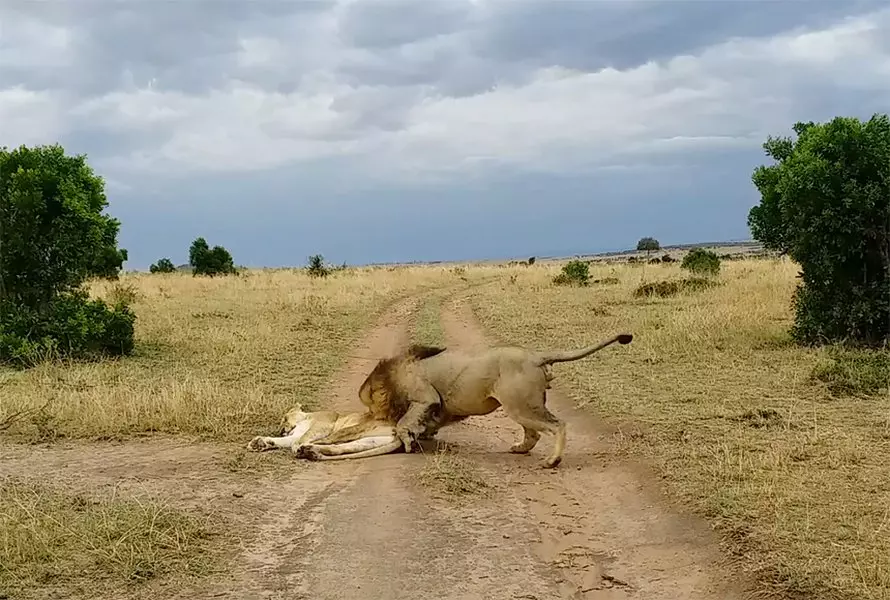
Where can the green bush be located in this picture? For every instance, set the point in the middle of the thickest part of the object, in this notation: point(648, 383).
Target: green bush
point(672, 287)
point(574, 272)
point(164, 265)
point(855, 371)
point(826, 203)
point(72, 325)
point(316, 267)
point(701, 262)
point(54, 236)
point(210, 261)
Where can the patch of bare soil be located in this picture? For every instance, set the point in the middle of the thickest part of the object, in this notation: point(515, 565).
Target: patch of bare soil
point(597, 521)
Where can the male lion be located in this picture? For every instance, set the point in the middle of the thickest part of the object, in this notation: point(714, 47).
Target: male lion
point(425, 388)
point(308, 435)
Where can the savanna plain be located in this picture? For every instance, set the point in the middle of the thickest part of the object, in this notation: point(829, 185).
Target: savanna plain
point(130, 478)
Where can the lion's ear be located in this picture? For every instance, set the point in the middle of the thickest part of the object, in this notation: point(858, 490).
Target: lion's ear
point(299, 406)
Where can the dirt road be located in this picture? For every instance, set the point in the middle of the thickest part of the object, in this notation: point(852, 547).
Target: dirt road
point(593, 529)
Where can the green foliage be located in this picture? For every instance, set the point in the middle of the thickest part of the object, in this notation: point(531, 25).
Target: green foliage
point(826, 203)
point(164, 265)
point(701, 262)
point(53, 236)
point(210, 261)
point(574, 272)
point(530, 261)
point(647, 245)
point(71, 325)
point(855, 371)
point(316, 267)
point(672, 287)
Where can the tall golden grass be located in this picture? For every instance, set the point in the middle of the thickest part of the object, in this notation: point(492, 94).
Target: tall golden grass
point(216, 357)
point(715, 395)
point(712, 392)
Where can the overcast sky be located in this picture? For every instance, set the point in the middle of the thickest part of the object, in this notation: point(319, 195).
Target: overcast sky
point(423, 129)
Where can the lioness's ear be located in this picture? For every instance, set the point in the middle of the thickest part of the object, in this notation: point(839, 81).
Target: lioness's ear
point(298, 406)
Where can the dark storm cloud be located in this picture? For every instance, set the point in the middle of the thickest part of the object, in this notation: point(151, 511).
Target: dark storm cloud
point(589, 36)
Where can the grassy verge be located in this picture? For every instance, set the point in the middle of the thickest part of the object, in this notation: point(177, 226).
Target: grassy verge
point(84, 545)
point(427, 322)
point(452, 476)
point(786, 450)
point(218, 357)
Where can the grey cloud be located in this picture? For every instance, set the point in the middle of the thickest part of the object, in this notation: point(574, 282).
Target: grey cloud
point(592, 35)
point(388, 23)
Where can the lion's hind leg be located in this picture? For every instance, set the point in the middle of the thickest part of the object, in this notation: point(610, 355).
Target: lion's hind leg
point(524, 402)
point(362, 448)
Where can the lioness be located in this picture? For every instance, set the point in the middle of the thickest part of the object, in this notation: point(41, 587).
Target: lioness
point(426, 388)
point(307, 434)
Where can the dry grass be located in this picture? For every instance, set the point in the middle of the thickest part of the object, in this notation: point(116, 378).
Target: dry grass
point(219, 357)
point(52, 539)
point(743, 425)
point(451, 475)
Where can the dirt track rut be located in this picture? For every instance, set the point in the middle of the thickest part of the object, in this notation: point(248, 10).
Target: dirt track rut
point(591, 530)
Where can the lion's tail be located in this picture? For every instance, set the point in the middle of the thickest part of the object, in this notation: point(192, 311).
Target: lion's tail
point(548, 358)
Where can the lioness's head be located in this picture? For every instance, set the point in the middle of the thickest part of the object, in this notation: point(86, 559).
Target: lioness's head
point(292, 418)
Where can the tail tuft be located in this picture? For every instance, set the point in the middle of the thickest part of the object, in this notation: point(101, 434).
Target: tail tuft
point(625, 338)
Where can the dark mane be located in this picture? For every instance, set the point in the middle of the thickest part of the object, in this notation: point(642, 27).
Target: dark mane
point(420, 352)
point(386, 385)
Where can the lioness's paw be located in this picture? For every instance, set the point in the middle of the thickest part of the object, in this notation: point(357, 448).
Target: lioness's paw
point(307, 451)
point(258, 444)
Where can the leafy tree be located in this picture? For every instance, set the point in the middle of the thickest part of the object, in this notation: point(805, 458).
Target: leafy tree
point(648, 244)
point(826, 203)
point(164, 265)
point(701, 262)
point(53, 236)
point(317, 267)
point(210, 261)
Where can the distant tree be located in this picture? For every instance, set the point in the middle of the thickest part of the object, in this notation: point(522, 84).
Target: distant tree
point(53, 237)
point(210, 261)
point(826, 203)
point(649, 245)
point(164, 265)
point(531, 260)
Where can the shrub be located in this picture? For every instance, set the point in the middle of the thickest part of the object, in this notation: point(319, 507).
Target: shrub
point(72, 325)
point(574, 272)
point(530, 261)
point(667, 258)
point(316, 267)
point(53, 236)
point(701, 262)
point(210, 261)
point(855, 371)
point(826, 203)
point(164, 265)
point(672, 287)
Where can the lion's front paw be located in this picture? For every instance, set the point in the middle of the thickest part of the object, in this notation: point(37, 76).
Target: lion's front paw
point(258, 444)
point(520, 448)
